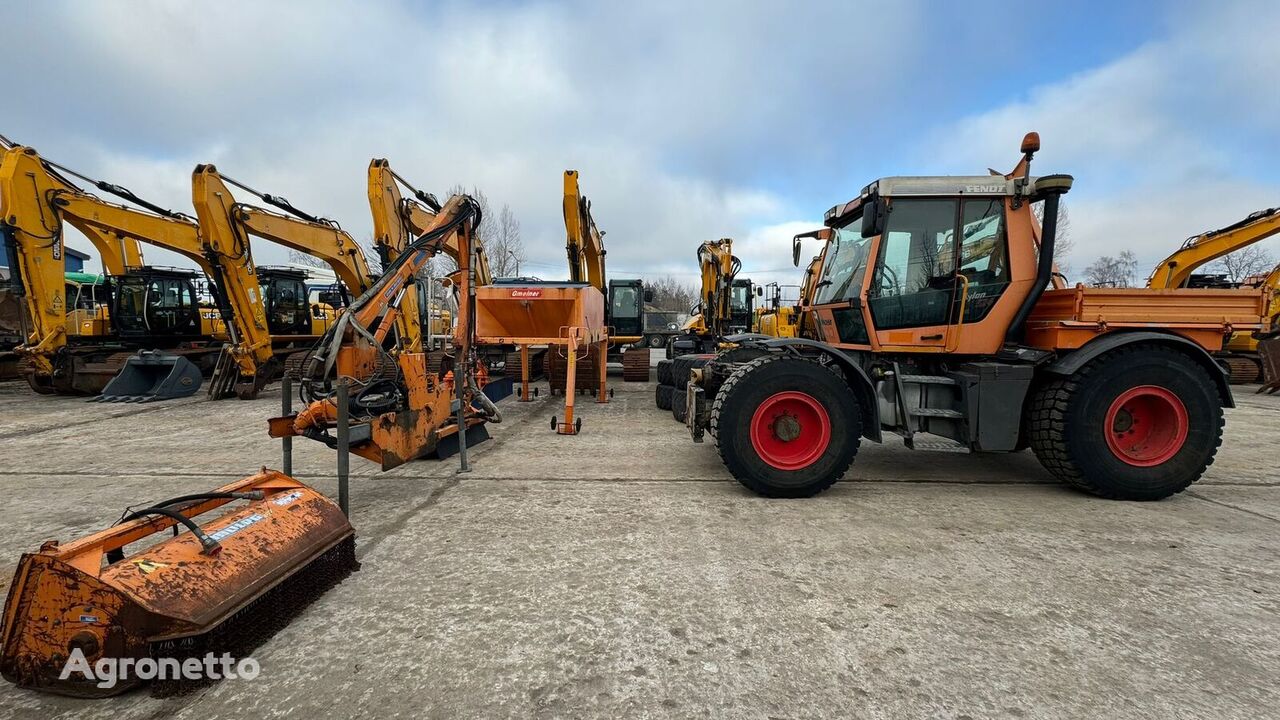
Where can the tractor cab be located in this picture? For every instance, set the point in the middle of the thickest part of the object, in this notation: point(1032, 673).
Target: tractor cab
point(930, 264)
point(156, 302)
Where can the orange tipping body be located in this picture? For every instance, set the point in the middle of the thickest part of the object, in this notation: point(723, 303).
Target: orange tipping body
point(167, 600)
point(1067, 319)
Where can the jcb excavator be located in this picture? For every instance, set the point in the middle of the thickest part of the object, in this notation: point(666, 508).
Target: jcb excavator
point(725, 302)
point(150, 308)
point(262, 312)
point(1240, 355)
point(937, 319)
point(225, 220)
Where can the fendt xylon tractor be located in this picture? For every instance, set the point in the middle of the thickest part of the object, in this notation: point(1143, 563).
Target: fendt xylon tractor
point(940, 318)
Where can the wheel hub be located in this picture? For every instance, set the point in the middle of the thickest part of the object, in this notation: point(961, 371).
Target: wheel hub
point(786, 428)
point(1146, 426)
point(790, 430)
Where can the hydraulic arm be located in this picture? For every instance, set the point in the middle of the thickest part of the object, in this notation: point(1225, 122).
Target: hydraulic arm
point(303, 232)
point(1175, 271)
point(584, 242)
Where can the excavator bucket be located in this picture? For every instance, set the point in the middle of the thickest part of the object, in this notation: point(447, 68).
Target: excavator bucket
point(223, 586)
point(151, 375)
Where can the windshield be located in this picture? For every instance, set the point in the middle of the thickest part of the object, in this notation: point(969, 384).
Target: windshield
point(740, 297)
point(626, 302)
point(845, 265)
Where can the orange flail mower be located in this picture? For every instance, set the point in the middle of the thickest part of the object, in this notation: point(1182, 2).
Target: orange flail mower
point(195, 592)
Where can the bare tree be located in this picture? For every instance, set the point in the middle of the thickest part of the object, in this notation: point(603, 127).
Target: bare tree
point(1107, 271)
point(1063, 242)
point(500, 233)
point(504, 246)
point(1244, 263)
point(671, 294)
point(297, 257)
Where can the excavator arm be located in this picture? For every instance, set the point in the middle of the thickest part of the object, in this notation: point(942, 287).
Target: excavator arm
point(584, 243)
point(314, 236)
point(1176, 270)
point(397, 220)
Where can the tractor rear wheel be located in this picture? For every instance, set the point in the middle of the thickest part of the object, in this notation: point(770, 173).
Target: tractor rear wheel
point(786, 426)
point(1138, 423)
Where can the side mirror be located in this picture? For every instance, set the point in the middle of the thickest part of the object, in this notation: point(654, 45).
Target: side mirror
point(759, 291)
point(795, 251)
point(648, 295)
point(873, 213)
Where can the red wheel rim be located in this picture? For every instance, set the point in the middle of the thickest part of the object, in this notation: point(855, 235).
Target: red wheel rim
point(790, 430)
point(1146, 426)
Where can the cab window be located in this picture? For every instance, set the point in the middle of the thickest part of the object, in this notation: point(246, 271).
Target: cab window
point(914, 280)
point(846, 265)
point(984, 255)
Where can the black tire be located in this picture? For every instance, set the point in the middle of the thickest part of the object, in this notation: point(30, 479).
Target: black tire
point(718, 370)
point(662, 396)
point(748, 387)
point(664, 372)
point(683, 365)
point(1069, 434)
point(679, 400)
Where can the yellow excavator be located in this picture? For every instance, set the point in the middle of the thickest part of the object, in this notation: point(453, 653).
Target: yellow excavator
point(624, 297)
point(150, 308)
point(776, 319)
point(224, 219)
point(725, 302)
point(1240, 355)
point(262, 313)
point(398, 220)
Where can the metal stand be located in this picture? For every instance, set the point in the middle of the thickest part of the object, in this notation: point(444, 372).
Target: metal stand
point(344, 447)
point(286, 409)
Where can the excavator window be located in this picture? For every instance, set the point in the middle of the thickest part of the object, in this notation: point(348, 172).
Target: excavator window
point(626, 301)
point(914, 283)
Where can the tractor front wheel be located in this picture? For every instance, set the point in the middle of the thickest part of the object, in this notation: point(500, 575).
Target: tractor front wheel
point(786, 426)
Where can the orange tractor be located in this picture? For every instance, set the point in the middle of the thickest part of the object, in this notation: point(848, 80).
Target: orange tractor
point(939, 318)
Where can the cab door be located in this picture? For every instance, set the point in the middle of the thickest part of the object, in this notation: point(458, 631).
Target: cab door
point(942, 264)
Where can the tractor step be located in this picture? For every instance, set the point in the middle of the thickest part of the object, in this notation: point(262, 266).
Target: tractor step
point(934, 443)
point(928, 380)
point(937, 413)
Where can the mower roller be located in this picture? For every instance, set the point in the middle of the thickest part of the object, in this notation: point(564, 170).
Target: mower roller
point(221, 587)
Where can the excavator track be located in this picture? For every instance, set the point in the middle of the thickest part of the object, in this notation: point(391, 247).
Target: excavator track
point(1243, 370)
point(635, 364)
point(587, 377)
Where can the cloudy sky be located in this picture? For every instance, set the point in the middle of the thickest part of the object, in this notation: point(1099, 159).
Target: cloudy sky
point(688, 120)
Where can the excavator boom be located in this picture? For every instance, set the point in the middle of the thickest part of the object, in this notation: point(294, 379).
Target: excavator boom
point(1176, 270)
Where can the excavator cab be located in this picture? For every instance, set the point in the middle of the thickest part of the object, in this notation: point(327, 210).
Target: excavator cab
point(287, 305)
point(741, 306)
point(156, 302)
point(626, 307)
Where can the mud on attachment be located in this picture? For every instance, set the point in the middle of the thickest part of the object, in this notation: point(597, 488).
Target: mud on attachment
point(173, 599)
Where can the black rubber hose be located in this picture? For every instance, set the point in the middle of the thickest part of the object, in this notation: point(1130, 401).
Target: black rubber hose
point(1044, 268)
point(210, 545)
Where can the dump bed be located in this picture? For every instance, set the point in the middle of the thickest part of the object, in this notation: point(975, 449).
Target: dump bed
point(1068, 318)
